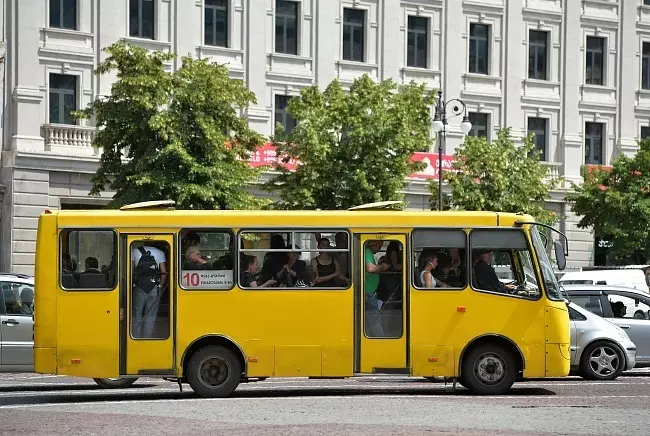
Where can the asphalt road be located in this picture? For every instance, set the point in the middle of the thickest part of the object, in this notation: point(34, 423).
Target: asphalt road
point(32, 404)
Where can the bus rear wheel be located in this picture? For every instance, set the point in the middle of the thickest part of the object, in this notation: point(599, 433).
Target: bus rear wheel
point(114, 383)
point(214, 372)
point(489, 369)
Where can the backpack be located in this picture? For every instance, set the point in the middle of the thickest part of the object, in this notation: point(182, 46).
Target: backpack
point(146, 275)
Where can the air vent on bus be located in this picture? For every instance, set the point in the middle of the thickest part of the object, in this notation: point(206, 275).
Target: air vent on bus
point(158, 204)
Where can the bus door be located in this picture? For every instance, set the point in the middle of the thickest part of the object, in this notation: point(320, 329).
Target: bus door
point(147, 305)
point(381, 315)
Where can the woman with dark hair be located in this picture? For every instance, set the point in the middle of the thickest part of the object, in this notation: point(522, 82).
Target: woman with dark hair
point(274, 261)
point(293, 270)
point(249, 273)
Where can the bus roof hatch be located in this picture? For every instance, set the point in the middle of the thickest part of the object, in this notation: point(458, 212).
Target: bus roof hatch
point(379, 205)
point(157, 204)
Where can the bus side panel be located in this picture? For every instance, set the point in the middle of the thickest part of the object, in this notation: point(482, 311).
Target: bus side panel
point(281, 332)
point(444, 319)
point(558, 340)
point(45, 287)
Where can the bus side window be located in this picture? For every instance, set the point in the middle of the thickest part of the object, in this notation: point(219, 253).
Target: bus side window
point(206, 259)
point(88, 259)
point(439, 258)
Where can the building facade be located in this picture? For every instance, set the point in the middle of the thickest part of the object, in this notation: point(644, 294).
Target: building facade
point(577, 73)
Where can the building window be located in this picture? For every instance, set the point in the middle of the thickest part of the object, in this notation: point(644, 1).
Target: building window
point(215, 23)
point(63, 98)
point(646, 2)
point(479, 124)
point(63, 14)
point(418, 42)
point(282, 115)
point(594, 143)
point(595, 60)
point(478, 48)
point(537, 54)
point(538, 127)
point(141, 18)
point(286, 27)
point(353, 34)
point(645, 132)
point(645, 67)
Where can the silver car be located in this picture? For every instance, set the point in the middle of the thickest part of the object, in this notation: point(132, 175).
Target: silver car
point(600, 350)
point(628, 308)
point(17, 328)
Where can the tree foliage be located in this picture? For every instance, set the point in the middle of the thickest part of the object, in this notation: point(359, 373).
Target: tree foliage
point(172, 135)
point(498, 175)
point(352, 147)
point(615, 203)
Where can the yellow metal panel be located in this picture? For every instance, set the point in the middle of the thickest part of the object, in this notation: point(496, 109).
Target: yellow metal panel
point(432, 360)
point(260, 357)
point(88, 333)
point(298, 361)
point(558, 360)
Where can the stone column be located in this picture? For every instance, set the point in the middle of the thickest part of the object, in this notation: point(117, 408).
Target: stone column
point(628, 79)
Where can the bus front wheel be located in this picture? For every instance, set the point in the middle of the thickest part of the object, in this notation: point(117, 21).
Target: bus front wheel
point(214, 372)
point(114, 383)
point(489, 369)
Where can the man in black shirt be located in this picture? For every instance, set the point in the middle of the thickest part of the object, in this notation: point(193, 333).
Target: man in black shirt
point(485, 276)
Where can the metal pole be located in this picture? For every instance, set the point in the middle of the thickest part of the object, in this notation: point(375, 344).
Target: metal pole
point(440, 170)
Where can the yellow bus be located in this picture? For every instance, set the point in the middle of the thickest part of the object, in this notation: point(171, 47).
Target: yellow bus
point(218, 298)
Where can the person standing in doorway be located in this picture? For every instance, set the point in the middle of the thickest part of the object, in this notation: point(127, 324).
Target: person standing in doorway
point(149, 277)
point(371, 279)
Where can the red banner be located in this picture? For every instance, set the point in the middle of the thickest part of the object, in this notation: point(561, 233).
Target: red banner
point(266, 155)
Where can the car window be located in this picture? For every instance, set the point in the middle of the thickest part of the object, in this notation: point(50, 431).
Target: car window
point(627, 306)
point(18, 298)
point(592, 303)
point(574, 315)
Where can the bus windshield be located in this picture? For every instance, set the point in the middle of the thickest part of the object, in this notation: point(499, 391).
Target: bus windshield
point(551, 284)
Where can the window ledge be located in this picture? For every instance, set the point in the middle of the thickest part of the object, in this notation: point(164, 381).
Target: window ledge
point(589, 86)
point(482, 77)
point(357, 64)
point(541, 82)
point(60, 31)
point(147, 42)
point(290, 57)
point(218, 49)
point(644, 92)
point(420, 70)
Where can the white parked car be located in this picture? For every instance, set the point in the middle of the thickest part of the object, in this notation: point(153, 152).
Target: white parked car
point(17, 328)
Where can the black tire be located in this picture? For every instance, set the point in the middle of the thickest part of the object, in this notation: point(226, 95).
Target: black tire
point(489, 369)
point(115, 383)
point(601, 360)
point(223, 369)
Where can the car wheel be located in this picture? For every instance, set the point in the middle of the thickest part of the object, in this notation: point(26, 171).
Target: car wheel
point(214, 372)
point(489, 369)
point(601, 361)
point(114, 383)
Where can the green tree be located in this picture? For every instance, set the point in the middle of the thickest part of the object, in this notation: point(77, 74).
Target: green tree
point(172, 135)
point(498, 175)
point(353, 147)
point(615, 203)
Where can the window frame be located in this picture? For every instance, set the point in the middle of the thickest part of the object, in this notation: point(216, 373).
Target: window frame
point(351, 26)
point(531, 250)
point(285, 35)
point(645, 65)
point(294, 230)
point(542, 157)
point(413, 263)
point(140, 14)
point(588, 143)
point(534, 48)
point(213, 10)
point(116, 256)
point(61, 96)
point(470, 115)
point(603, 52)
point(179, 257)
point(60, 18)
point(417, 32)
point(474, 63)
point(286, 116)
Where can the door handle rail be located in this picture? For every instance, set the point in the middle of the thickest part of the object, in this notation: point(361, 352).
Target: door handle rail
point(10, 321)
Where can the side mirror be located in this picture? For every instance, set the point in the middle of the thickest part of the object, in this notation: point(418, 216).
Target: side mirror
point(559, 255)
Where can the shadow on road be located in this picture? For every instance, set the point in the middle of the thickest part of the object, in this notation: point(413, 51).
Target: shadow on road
point(68, 387)
point(134, 394)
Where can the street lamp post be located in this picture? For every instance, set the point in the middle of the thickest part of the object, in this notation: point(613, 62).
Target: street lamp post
point(440, 124)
